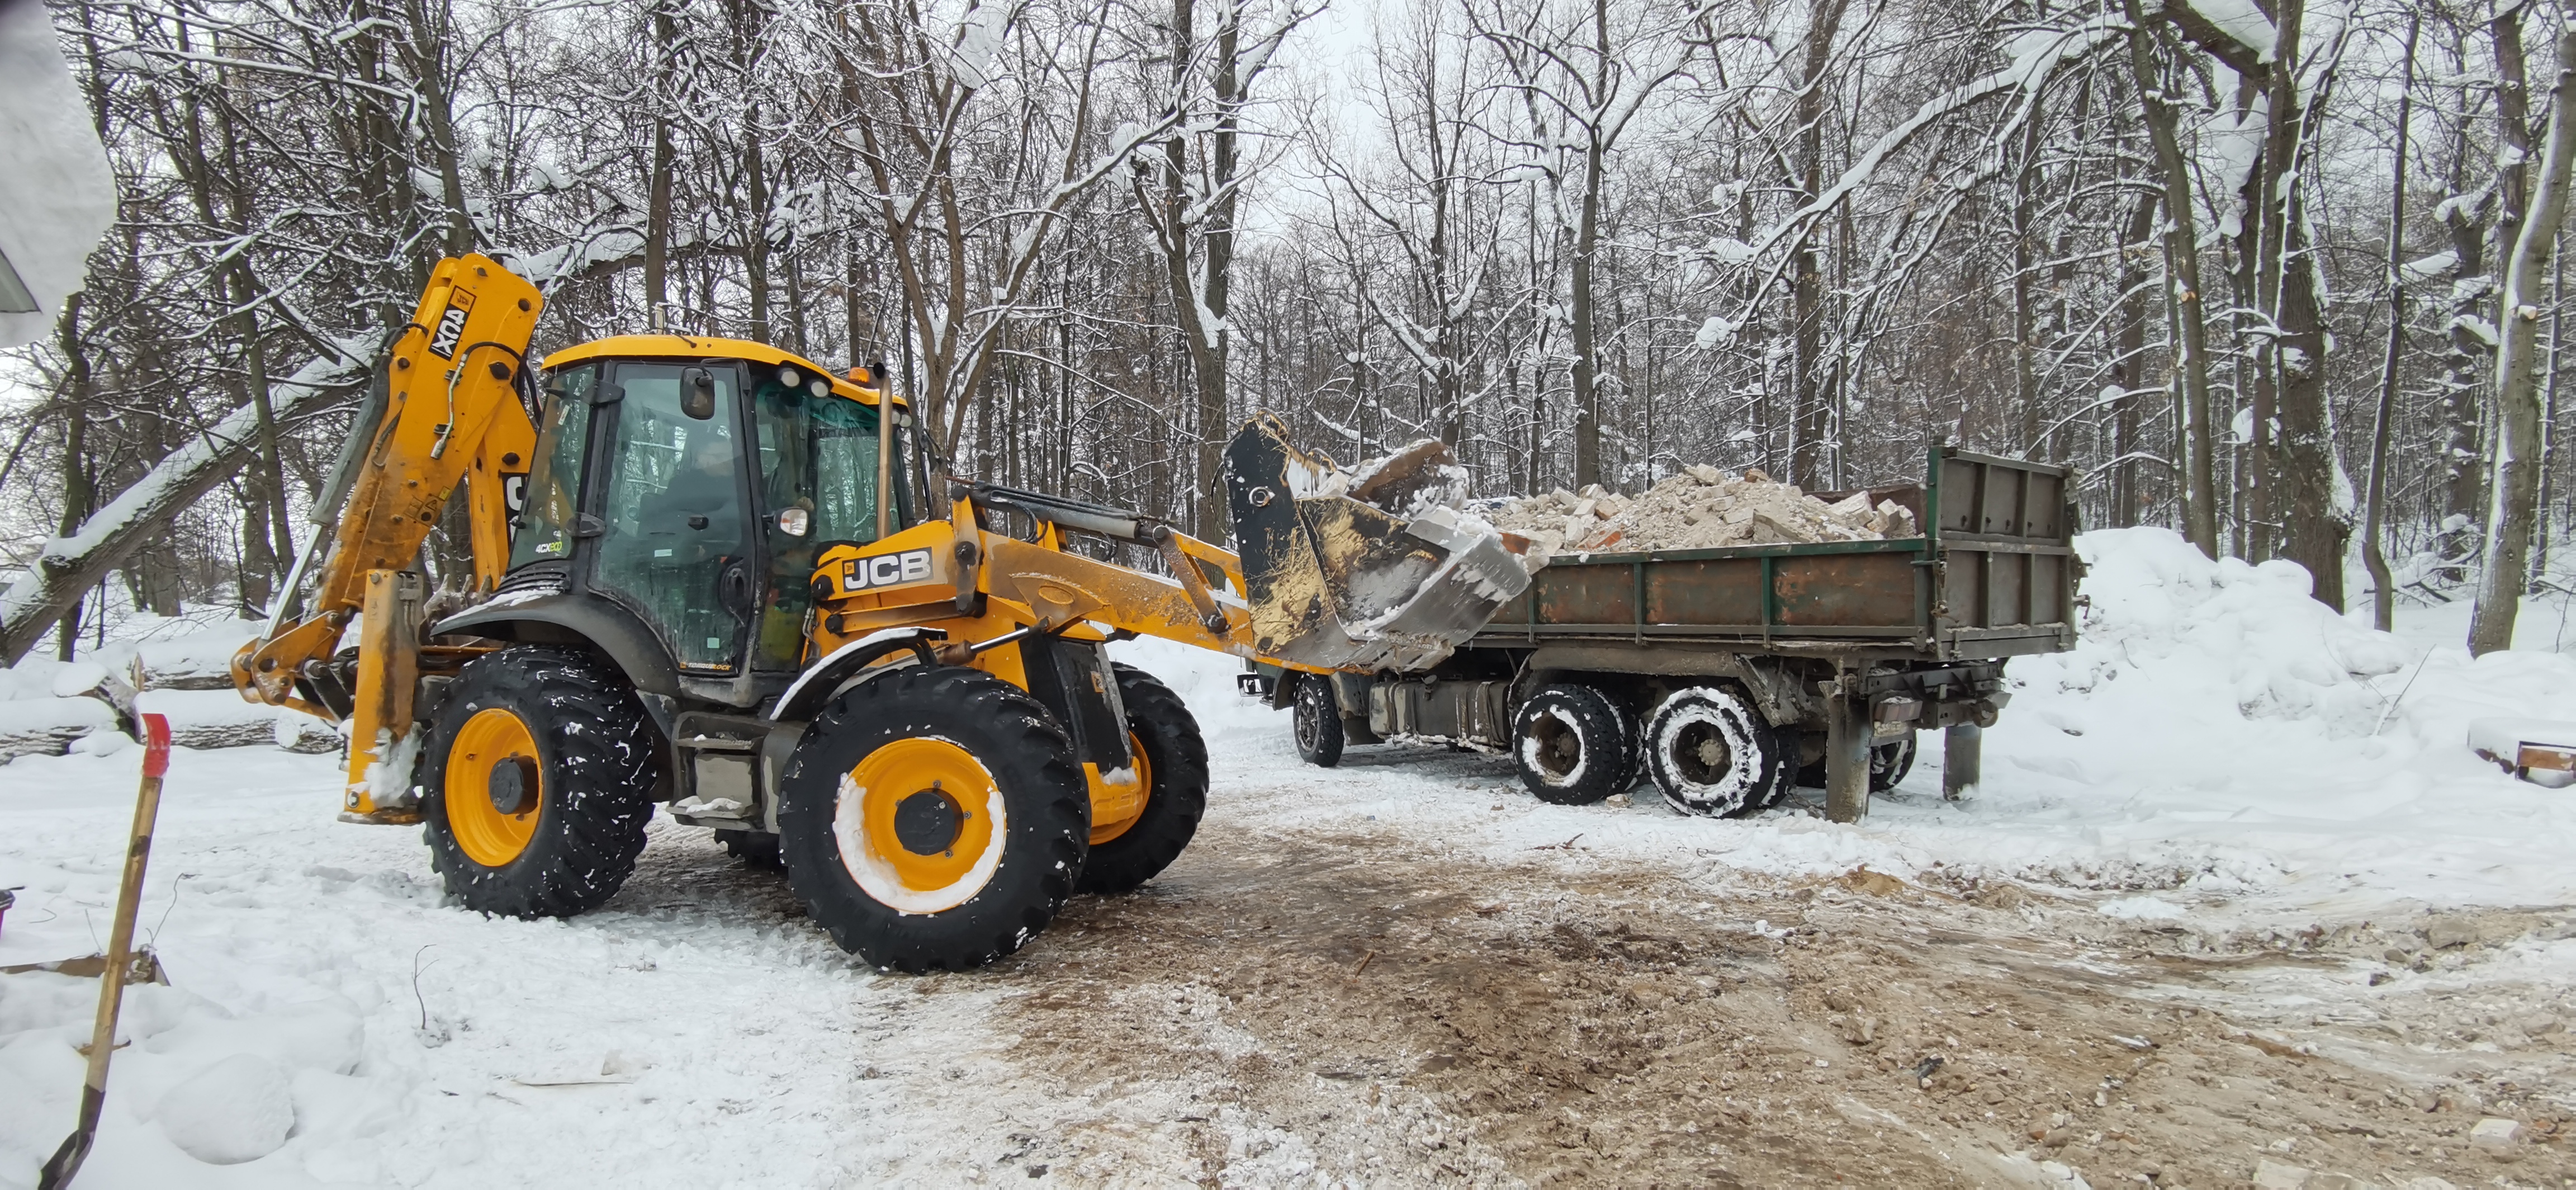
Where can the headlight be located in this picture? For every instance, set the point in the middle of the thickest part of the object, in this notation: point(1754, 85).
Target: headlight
point(794, 521)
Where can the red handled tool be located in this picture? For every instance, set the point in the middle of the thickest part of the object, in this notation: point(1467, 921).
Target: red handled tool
point(120, 955)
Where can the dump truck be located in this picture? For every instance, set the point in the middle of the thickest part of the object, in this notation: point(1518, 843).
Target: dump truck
point(711, 576)
point(1728, 675)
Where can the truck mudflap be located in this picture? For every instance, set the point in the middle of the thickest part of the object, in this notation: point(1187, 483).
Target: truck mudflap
point(1340, 584)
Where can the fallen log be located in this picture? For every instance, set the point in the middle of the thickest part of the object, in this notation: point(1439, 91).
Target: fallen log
point(68, 567)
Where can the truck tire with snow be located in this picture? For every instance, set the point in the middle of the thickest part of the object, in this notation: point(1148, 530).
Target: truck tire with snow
point(934, 819)
point(1171, 758)
point(1711, 752)
point(535, 782)
point(1574, 745)
point(1315, 718)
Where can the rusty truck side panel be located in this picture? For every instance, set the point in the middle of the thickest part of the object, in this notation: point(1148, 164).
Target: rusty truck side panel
point(1992, 575)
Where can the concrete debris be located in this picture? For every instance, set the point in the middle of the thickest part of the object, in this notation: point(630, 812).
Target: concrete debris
point(2495, 1135)
point(1411, 481)
point(1703, 507)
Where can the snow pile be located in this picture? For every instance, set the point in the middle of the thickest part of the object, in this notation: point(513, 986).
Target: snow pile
point(2224, 633)
point(2217, 736)
point(1701, 508)
point(195, 1083)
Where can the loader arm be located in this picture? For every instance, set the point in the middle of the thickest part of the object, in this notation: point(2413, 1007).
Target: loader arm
point(973, 583)
point(446, 409)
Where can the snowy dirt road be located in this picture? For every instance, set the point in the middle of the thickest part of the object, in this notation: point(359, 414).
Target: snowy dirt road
point(1366, 1003)
point(2212, 944)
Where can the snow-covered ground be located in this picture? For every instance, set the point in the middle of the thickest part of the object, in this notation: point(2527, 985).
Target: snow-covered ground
point(2219, 751)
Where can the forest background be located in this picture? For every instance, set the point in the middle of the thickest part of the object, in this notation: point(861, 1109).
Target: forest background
point(2281, 276)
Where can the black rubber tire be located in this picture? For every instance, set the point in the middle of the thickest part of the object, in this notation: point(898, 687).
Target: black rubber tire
point(1315, 719)
point(1047, 811)
point(1177, 756)
point(1888, 765)
point(754, 848)
point(1573, 745)
point(600, 758)
point(1710, 752)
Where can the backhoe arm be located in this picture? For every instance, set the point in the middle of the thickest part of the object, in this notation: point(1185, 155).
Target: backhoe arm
point(446, 410)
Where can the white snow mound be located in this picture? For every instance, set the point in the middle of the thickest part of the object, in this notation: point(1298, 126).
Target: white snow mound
point(238, 1109)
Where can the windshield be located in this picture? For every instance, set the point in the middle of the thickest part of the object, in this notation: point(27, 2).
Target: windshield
point(818, 454)
point(544, 528)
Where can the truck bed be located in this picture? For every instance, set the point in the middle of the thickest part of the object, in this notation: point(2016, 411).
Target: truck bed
point(1993, 575)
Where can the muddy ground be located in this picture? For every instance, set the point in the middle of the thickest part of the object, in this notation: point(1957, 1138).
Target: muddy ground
point(1356, 1007)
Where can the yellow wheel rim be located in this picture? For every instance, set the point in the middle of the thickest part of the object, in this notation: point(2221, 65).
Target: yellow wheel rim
point(920, 825)
point(1117, 808)
point(488, 835)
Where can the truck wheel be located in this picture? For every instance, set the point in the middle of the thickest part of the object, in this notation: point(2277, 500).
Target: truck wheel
point(753, 848)
point(1575, 745)
point(1888, 764)
point(1710, 752)
point(933, 819)
point(1171, 760)
point(1316, 719)
point(535, 783)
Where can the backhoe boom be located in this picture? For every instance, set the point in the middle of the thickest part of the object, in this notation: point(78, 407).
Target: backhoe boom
point(451, 413)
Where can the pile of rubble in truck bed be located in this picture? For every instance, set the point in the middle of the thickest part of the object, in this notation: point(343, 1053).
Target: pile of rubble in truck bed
point(1701, 508)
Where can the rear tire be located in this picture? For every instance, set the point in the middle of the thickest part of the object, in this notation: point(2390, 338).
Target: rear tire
point(1175, 768)
point(971, 838)
point(1710, 752)
point(570, 722)
point(1573, 745)
point(1888, 765)
point(1315, 719)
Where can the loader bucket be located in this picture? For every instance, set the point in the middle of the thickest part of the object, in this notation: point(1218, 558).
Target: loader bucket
point(1341, 584)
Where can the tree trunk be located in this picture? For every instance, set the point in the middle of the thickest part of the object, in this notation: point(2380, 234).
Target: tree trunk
point(2182, 263)
point(78, 491)
point(2307, 496)
point(2383, 594)
point(429, 73)
point(2025, 306)
point(2128, 369)
point(657, 203)
point(2518, 382)
point(755, 246)
point(1807, 433)
point(65, 571)
point(1200, 289)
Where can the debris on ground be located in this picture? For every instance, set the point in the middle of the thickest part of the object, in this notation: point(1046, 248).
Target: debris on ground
point(1702, 507)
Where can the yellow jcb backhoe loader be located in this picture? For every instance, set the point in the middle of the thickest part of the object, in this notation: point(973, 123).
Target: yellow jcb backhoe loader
point(710, 575)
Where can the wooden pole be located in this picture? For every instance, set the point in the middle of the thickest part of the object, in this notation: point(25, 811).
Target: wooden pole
point(67, 1160)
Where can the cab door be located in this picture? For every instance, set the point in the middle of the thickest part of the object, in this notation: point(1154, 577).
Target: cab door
point(674, 510)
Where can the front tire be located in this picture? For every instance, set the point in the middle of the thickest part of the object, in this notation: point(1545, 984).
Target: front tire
point(1316, 719)
point(1169, 756)
point(1711, 752)
point(535, 783)
point(934, 819)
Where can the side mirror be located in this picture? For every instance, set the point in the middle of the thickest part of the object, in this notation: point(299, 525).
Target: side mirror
point(697, 393)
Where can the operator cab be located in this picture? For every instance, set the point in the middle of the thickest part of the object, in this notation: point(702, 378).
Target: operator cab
point(694, 481)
